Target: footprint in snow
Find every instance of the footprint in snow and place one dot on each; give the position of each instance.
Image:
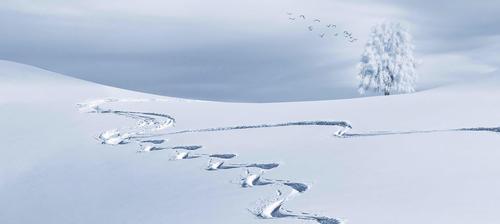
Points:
(257, 179)
(219, 165)
(299, 187)
(214, 165)
(159, 141)
(187, 155)
(114, 137)
(265, 166)
(222, 156)
(188, 147)
(273, 208)
(180, 155)
(150, 148)
(252, 179)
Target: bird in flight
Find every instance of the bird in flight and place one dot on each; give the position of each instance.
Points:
(302, 16)
(291, 18)
(317, 20)
(331, 25)
(322, 35)
(310, 28)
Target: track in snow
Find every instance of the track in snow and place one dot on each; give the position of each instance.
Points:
(188, 147)
(222, 165)
(256, 179)
(274, 209)
(148, 123)
(342, 124)
(158, 141)
(382, 133)
(188, 155)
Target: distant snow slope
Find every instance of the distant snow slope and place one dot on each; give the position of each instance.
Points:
(79, 152)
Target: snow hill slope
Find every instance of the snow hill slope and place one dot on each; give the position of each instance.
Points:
(79, 152)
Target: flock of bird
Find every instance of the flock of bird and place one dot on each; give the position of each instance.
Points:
(325, 30)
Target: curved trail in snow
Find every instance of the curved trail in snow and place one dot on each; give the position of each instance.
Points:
(274, 209)
(148, 123)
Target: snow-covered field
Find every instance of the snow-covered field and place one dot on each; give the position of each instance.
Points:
(80, 152)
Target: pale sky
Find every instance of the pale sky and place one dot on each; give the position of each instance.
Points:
(242, 50)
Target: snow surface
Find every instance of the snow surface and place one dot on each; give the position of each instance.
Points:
(428, 157)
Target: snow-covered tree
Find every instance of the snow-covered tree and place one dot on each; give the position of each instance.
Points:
(387, 64)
